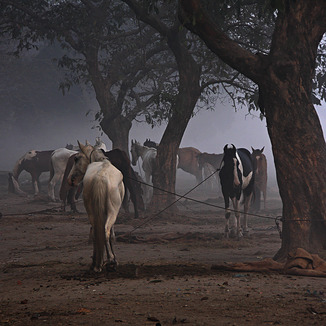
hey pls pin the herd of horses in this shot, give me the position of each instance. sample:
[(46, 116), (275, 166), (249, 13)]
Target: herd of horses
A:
[(107, 180)]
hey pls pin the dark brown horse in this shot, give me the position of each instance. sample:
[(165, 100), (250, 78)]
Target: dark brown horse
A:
[(260, 167), (121, 161), (34, 162)]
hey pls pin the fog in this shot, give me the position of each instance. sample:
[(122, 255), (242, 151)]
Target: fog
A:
[(208, 131)]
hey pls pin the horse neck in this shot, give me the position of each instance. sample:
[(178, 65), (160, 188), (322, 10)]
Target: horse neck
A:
[(18, 168), (142, 150)]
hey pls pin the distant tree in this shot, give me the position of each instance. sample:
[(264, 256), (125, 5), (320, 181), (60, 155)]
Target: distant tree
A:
[(199, 76), (128, 66), (105, 46), (285, 77)]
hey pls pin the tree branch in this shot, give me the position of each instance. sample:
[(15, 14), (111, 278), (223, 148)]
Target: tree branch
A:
[(193, 16)]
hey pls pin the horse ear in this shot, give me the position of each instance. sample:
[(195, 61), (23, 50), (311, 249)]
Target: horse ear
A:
[(87, 143), (252, 148), (262, 149), (225, 148), (81, 146)]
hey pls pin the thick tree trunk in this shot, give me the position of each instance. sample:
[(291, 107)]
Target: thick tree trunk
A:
[(285, 82), (164, 176), (293, 125), (118, 132), (300, 154)]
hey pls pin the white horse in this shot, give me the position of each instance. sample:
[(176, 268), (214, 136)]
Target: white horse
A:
[(103, 195), (59, 159), (148, 155)]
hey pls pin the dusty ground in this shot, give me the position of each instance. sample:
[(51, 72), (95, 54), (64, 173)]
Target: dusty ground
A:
[(166, 274)]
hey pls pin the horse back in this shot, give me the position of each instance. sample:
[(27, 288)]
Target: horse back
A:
[(103, 170), (188, 160), (246, 160)]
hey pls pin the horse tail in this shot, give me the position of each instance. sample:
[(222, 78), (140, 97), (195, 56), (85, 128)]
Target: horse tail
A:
[(99, 200)]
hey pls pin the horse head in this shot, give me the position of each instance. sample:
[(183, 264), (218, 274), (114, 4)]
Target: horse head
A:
[(257, 159), (134, 152), (78, 170), (232, 163), (85, 149), (99, 144), (150, 143)]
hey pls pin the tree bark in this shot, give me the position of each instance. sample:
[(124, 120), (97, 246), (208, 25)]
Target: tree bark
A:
[(118, 131), (189, 90), (284, 78)]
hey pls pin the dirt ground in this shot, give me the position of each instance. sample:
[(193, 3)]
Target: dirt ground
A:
[(167, 275)]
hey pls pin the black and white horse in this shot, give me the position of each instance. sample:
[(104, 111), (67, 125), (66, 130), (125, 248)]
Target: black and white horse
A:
[(237, 177)]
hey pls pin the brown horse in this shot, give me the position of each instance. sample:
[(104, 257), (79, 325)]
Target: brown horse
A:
[(188, 162), (121, 161), (34, 162), (260, 167), (212, 159), (187, 158)]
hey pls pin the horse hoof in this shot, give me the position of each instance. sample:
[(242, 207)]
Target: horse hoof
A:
[(246, 233), (111, 267), (95, 269), (233, 233)]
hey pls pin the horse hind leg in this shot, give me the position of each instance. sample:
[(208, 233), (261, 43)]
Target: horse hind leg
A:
[(35, 181), (51, 186), (264, 196), (236, 230), (227, 217), (247, 201), (125, 202), (110, 237)]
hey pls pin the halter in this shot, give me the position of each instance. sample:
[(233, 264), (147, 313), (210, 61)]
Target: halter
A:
[(90, 155)]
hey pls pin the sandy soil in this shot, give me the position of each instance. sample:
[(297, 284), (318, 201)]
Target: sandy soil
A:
[(166, 273)]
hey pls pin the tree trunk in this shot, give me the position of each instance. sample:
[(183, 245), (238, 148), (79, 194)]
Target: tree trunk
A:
[(293, 125), (164, 175), (300, 154), (285, 77), (118, 132)]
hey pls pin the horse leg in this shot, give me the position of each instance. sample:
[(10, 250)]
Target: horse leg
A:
[(71, 198), (247, 200), (51, 186), (109, 232), (148, 189), (227, 216), (132, 195), (264, 196), (35, 183), (236, 229), (125, 202)]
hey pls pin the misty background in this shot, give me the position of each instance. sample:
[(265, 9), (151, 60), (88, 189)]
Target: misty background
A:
[(36, 115)]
